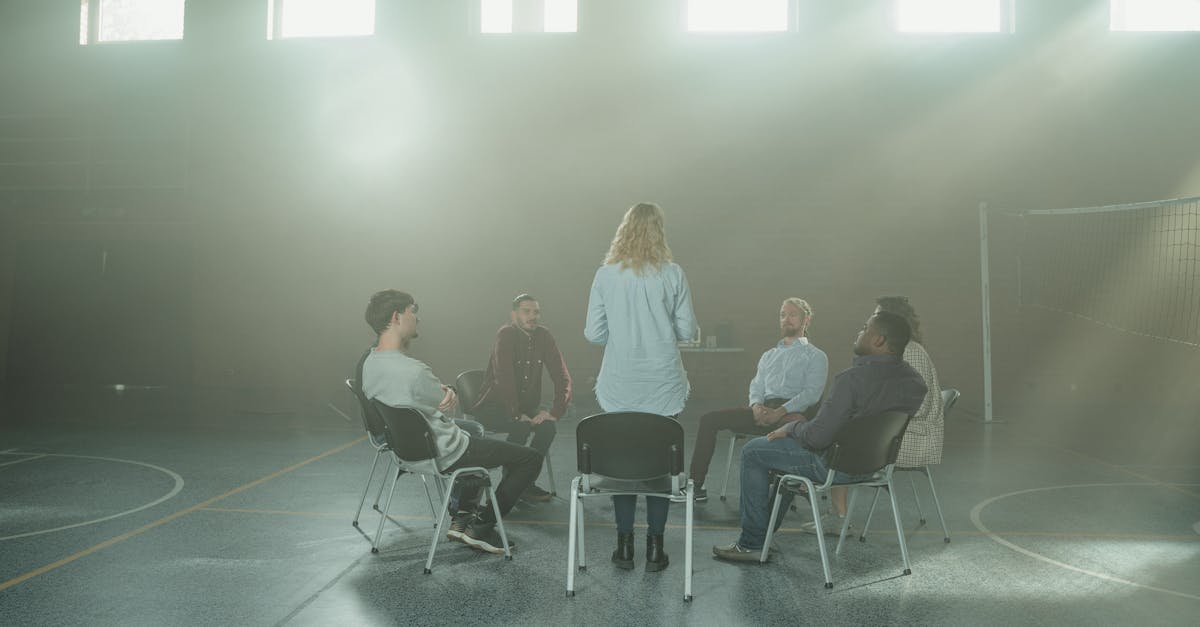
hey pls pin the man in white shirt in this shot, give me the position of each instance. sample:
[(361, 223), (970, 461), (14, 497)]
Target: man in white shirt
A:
[(789, 381)]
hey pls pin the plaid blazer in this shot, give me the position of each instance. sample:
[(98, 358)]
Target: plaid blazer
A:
[(922, 444)]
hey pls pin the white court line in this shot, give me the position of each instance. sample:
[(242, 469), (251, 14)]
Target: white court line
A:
[(975, 519), (27, 459), (343, 414), (178, 487)]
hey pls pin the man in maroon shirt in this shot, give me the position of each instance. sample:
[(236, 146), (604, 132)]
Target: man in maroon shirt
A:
[(512, 387)]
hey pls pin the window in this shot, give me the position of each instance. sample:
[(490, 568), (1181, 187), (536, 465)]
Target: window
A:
[(953, 16), (528, 16), (1154, 15), (129, 20), (737, 15), (320, 18)]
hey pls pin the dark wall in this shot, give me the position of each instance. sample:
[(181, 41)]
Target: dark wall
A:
[(835, 163)]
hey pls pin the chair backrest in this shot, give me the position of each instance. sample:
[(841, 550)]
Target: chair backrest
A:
[(408, 433), (868, 443), (372, 421), (629, 445), (949, 398), (468, 385)]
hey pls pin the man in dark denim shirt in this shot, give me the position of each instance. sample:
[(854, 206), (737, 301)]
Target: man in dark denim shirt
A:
[(878, 381)]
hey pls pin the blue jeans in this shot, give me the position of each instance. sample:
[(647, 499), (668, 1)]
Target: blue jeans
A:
[(625, 505), (759, 457)]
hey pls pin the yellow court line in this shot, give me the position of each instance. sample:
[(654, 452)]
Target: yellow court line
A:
[(165, 519), (851, 533)]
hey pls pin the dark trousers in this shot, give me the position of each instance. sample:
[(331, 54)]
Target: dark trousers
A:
[(497, 419), (624, 507), (521, 466), (738, 419)]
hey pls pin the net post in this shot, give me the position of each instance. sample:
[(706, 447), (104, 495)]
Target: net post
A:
[(986, 308)]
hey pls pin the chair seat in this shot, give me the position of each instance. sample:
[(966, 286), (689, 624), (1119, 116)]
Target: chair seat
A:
[(616, 486)]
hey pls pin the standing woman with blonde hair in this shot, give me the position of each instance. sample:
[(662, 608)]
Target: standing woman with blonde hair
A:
[(640, 308)]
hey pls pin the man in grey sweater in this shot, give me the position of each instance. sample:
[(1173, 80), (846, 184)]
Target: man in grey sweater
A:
[(396, 379)]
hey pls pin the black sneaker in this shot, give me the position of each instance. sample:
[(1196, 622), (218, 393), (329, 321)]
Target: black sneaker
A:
[(458, 524), (701, 495), (536, 495), (482, 536)]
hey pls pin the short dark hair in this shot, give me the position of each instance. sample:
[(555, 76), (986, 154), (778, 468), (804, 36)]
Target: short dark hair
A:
[(520, 299), (894, 328), (383, 304), (900, 306)]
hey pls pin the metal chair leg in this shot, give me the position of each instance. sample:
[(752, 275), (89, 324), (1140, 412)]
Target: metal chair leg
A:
[(937, 504), (382, 519), (572, 531), (766, 549), (581, 540), (367, 487), (862, 537), (550, 474), (916, 498), (733, 440), (846, 521), (687, 541), (899, 527), (820, 535), (437, 525), (429, 497), (387, 467), (499, 521)]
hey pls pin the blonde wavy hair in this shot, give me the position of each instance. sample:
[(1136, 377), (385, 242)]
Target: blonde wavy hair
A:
[(641, 239)]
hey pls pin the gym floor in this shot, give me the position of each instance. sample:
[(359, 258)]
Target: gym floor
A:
[(151, 508)]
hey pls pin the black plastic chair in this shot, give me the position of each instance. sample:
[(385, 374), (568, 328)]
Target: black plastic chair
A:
[(412, 442), (628, 453), (867, 445), (373, 424), (468, 386), (949, 398)]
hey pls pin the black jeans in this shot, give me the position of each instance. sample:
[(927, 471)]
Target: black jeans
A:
[(521, 466), (495, 418)]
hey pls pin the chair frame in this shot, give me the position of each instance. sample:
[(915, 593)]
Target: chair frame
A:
[(463, 405), (881, 480), (949, 398), (426, 467), (581, 487)]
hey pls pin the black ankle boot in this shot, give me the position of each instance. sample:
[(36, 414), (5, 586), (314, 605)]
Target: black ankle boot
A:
[(656, 559), (623, 556)]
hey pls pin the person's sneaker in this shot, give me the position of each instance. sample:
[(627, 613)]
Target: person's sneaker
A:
[(458, 524), (701, 494), (536, 495), (831, 524), (736, 553), (483, 536)]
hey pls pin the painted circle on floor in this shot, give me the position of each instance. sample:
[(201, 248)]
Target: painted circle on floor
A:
[(170, 473), (976, 520)]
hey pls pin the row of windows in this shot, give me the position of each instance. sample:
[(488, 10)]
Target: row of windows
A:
[(129, 20)]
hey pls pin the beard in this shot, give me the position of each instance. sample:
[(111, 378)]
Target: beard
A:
[(789, 331)]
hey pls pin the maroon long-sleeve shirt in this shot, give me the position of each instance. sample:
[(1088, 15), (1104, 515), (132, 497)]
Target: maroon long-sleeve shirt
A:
[(514, 374)]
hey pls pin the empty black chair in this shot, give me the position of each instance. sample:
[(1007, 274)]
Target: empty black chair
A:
[(949, 398), (632, 453), (413, 444), (468, 386), (868, 445)]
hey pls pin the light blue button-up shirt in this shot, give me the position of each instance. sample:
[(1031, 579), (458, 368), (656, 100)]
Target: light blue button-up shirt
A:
[(795, 372), (640, 318)]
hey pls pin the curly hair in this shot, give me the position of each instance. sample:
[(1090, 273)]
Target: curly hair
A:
[(900, 306), (641, 239)]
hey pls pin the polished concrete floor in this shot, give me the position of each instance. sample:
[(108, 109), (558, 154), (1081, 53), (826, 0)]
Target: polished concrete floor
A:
[(152, 508)]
